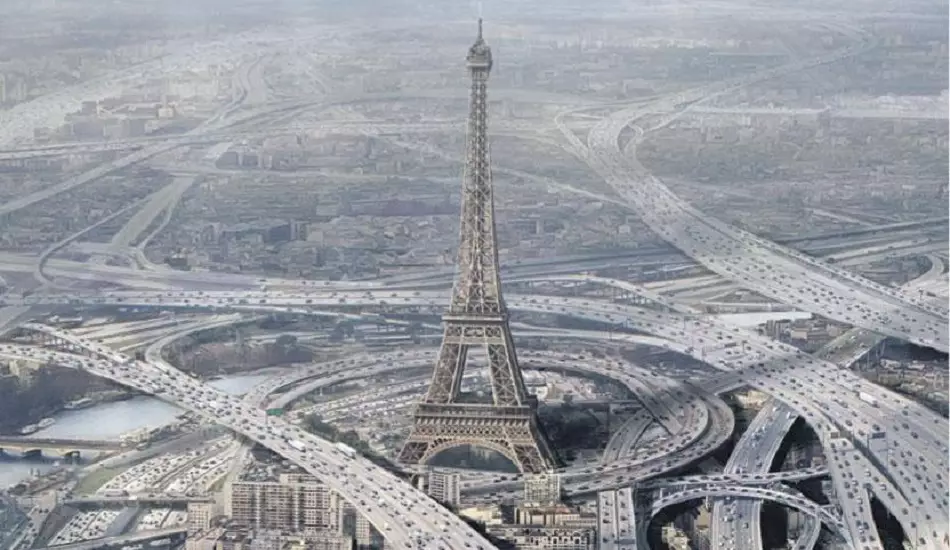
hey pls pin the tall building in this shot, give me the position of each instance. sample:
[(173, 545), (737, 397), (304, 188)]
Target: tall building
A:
[(364, 535), (542, 490), (200, 515), (674, 538), (695, 525), (445, 487), (294, 503)]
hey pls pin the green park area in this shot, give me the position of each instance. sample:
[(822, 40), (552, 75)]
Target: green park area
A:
[(95, 480)]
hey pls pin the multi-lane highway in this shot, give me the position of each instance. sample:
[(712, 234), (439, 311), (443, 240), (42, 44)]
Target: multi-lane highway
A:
[(780, 494), (402, 514), (907, 470), (498, 127), (766, 267), (756, 450), (626, 437), (171, 385), (816, 389), (618, 527), (590, 478), (540, 303), (753, 454), (165, 278)]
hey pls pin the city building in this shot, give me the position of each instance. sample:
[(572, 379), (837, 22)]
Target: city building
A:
[(200, 515), (521, 537), (297, 541), (292, 503), (364, 534), (695, 525), (557, 515), (23, 370), (236, 537), (204, 540), (487, 515), (542, 490), (674, 538), (265, 500), (445, 487)]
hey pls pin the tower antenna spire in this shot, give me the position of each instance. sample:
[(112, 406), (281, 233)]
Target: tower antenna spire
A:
[(480, 29)]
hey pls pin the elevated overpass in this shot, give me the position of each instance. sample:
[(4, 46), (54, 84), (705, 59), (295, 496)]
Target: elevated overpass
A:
[(755, 263), (744, 479), (785, 497), (134, 498), (354, 478), (806, 384), (593, 482), (167, 279), (871, 230), (171, 533)]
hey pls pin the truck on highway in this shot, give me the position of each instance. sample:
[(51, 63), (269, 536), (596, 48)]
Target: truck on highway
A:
[(297, 444), (867, 398), (346, 449)]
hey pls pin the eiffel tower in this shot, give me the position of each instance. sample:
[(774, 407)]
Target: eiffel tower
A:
[(477, 316)]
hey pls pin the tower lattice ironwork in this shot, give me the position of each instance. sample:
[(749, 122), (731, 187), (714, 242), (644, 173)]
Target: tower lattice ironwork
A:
[(477, 316)]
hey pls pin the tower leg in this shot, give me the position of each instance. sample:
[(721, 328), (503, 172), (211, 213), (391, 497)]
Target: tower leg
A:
[(510, 431)]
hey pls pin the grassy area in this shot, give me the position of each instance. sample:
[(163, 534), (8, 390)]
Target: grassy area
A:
[(314, 424), (218, 484), (97, 479)]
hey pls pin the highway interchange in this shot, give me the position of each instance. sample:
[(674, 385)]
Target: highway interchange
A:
[(755, 359), (783, 274), (380, 495), (908, 475), (702, 347)]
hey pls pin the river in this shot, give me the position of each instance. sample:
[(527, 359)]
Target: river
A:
[(109, 420)]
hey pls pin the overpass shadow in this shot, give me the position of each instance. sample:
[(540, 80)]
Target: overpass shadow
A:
[(474, 457)]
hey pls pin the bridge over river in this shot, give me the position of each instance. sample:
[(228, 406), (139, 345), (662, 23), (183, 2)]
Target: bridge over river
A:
[(29, 446)]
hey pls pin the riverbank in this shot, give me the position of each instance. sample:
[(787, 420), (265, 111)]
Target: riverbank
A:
[(107, 396), (110, 420)]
